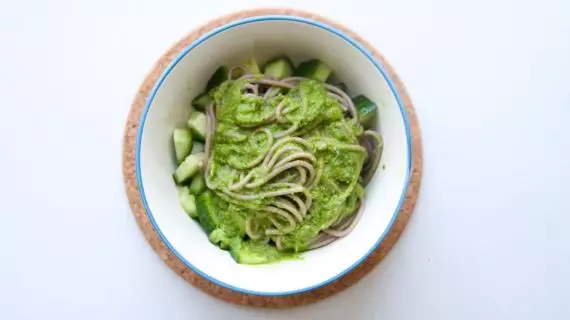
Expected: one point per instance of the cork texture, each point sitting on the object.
(210, 288)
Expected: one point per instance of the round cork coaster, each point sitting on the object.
(210, 288)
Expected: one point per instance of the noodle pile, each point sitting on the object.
(278, 184)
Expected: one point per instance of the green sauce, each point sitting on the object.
(239, 140)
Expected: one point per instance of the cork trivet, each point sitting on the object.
(226, 294)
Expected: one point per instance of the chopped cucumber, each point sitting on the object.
(188, 168)
(279, 68)
(207, 214)
(182, 138)
(314, 69)
(198, 185)
(220, 238)
(252, 66)
(197, 147)
(197, 123)
(187, 202)
(253, 252)
(243, 256)
(219, 76)
(201, 101)
(367, 111)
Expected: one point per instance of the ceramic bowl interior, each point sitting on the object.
(169, 104)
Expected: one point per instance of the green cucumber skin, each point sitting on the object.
(305, 68)
(280, 68)
(242, 257)
(206, 212)
(313, 69)
(367, 111)
(219, 76)
(198, 184)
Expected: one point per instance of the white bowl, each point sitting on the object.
(264, 37)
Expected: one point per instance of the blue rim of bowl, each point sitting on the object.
(219, 30)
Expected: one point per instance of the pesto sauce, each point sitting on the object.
(235, 145)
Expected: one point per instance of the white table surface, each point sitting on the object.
(490, 236)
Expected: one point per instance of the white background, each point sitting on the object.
(490, 236)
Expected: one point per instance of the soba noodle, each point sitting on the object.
(286, 169)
